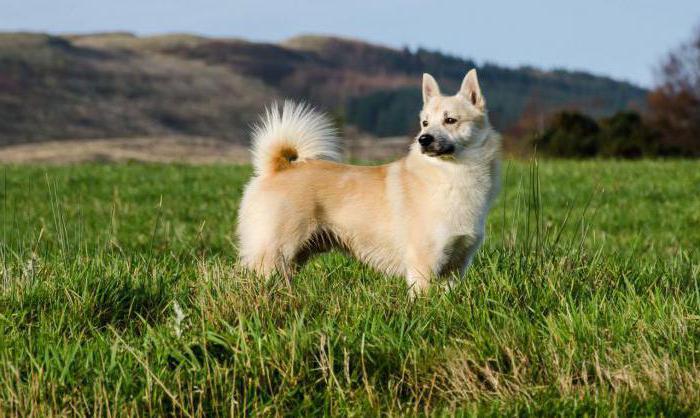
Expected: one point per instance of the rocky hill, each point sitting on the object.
(119, 85)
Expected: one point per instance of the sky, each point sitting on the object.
(622, 39)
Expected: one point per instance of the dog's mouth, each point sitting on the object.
(439, 149)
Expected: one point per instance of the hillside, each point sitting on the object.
(119, 85)
(56, 88)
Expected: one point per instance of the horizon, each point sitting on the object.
(609, 39)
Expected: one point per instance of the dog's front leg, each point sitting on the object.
(418, 280)
(466, 262)
(471, 251)
(419, 270)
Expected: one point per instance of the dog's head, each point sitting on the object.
(451, 125)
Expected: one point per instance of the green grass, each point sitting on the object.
(120, 296)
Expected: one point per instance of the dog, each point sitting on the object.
(421, 217)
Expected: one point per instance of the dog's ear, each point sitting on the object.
(471, 91)
(430, 87)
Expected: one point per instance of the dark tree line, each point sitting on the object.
(576, 135)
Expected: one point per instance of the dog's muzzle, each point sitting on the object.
(433, 147)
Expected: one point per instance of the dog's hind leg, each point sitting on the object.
(271, 238)
(275, 250)
(269, 261)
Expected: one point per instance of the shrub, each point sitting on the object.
(624, 135)
(569, 134)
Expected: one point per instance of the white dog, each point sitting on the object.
(422, 216)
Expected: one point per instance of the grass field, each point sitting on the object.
(120, 296)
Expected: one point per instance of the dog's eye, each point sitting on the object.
(450, 121)
(425, 123)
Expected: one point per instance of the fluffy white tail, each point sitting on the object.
(293, 133)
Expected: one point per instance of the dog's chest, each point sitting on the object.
(462, 223)
(460, 207)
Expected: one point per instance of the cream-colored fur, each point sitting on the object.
(422, 216)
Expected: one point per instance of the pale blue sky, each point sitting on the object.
(622, 39)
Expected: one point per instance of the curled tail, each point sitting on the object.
(291, 133)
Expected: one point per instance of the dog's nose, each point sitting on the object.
(425, 140)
